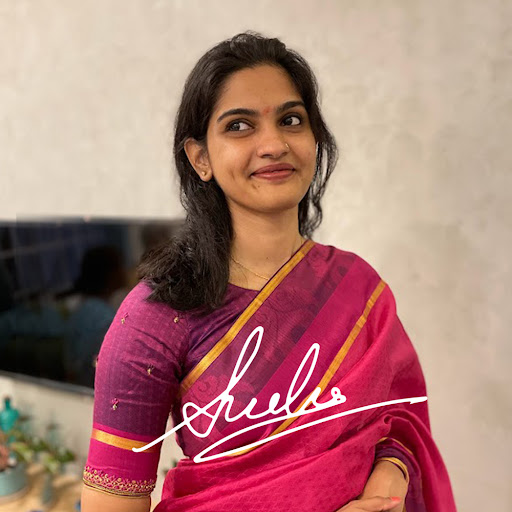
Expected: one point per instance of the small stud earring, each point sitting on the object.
(204, 173)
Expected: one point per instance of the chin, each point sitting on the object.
(277, 204)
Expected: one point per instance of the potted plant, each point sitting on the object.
(13, 472)
(54, 459)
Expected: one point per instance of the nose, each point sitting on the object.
(272, 144)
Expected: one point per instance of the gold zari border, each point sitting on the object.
(121, 442)
(336, 363)
(114, 493)
(253, 307)
(396, 441)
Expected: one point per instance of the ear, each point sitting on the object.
(197, 155)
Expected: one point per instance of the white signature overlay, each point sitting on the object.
(226, 399)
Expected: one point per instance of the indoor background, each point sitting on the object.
(418, 95)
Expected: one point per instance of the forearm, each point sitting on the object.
(386, 479)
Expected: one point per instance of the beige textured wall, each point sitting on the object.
(418, 95)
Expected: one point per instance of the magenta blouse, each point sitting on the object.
(146, 352)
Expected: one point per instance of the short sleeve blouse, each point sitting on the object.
(137, 379)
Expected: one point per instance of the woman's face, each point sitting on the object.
(240, 143)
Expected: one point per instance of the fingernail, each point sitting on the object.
(395, 498)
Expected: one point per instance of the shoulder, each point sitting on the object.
(147, 330)
(154, 318)
(138, 306)
(348, 259)
(361, 269)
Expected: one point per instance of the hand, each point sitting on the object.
(386, 480)
(374, 504)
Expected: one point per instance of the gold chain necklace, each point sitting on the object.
(255, 273)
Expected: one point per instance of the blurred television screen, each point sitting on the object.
(61, 283)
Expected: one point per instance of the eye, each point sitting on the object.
(239, 122)
(296, 117)
(234, 123)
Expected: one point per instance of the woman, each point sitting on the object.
(244, 304)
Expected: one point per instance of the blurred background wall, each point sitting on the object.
(418, 94)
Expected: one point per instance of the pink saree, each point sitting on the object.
(334, 298)
(324, 303)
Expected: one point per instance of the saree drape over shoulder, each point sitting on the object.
(325, 302)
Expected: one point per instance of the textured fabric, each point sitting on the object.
(322, 295)
(144, 355)
(137, 374)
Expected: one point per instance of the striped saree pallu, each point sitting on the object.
(324, 330)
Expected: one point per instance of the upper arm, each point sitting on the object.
(136, 382)
(93, 501)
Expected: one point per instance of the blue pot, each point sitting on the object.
(13, 480)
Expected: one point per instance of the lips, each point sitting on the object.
(275, 167)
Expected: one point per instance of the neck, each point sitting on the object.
(262, 243)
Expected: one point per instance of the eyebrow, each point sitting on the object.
(250, 112)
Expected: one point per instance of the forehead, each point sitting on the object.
(262, 87)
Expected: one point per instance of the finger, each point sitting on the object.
(378, 503)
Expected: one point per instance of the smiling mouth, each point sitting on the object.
(274, 175)
(271, 171)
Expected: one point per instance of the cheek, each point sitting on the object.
(307, 147)
(231, 164)
(309, 159)
(231, 174)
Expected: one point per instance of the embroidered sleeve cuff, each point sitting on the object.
(111, 484)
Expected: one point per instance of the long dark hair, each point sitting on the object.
(191, 270)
